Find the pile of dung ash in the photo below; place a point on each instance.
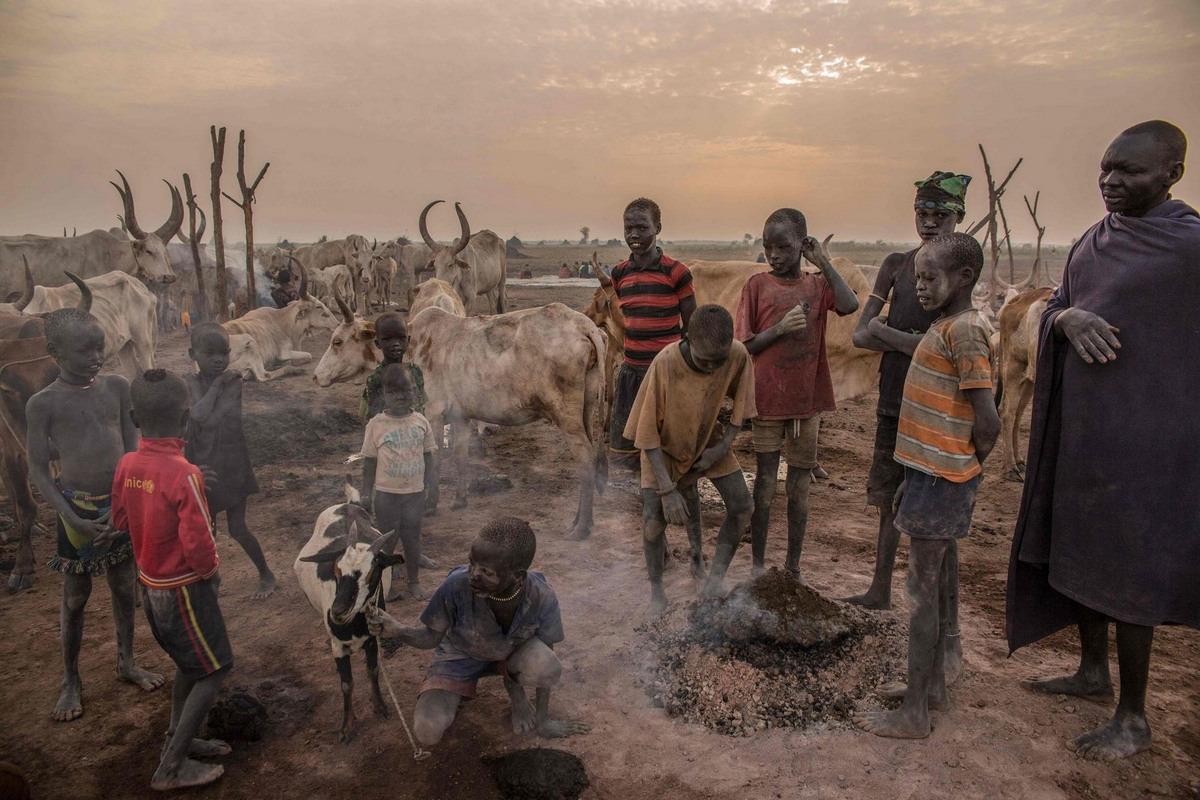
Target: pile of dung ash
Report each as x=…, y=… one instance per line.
x=538, y=773
x=773, y=654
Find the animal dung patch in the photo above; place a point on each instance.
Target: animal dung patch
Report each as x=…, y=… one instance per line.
x=238, y=716
x=489, y=484
x=772, y=654
x=538, y=773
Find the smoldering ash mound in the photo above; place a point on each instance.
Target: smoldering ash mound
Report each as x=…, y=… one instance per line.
x=772, y=654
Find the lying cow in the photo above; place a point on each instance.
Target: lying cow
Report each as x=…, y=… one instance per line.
x=277, y=332
x=513, y=369
x=1016, y=365
x=352, y=351
x=342, y=569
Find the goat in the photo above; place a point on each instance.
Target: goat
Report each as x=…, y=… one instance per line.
x=342, y=569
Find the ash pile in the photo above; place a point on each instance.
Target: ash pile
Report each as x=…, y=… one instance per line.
x=772, y=654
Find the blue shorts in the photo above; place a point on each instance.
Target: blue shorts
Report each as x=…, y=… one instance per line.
x=936, y=508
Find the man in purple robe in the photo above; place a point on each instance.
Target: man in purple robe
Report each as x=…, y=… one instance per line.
x=1109, y=527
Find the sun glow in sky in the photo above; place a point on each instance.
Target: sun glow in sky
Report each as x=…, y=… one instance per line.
x=542, y=116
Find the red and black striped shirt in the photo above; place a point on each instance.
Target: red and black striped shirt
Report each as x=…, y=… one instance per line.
x=649, y=300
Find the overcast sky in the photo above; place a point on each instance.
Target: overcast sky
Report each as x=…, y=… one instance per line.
x=541, y=116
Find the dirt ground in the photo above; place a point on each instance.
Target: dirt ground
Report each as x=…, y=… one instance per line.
x=998, y=740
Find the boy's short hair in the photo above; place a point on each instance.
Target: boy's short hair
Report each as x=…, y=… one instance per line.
x=514, y=537
x=394, y=375
x=391, y=317
x=789, y=216
x=647, y=205
x=158, y=396
x=202, y=329
x=964, y=251
x=711, y=324
x=1169, y=136
x=59, y=323
x=284, y=276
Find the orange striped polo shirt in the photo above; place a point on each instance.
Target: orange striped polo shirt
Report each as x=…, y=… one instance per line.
x=936, y=418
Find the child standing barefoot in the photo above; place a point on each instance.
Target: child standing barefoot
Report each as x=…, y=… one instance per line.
x=397, y=471
x=216, y=442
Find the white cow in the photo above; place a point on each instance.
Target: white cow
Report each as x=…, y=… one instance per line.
x=481, y=269
x=542, y=363
x=277, y=332
x=434, y=292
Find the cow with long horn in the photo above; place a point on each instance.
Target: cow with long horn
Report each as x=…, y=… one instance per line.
x=473, y=265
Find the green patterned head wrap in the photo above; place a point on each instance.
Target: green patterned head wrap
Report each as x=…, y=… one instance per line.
x=943, y=190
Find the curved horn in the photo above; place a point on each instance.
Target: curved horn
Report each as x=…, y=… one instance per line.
x=26, y=298
x=130, y=222
x=825, y=247
x=121, y=220
x=64, y=231
x=424, y=230
x=466, y=229
x=374, y=243
x=303, y=277
x=175, y=221
x=85, y=291
x=352, y=538
x=347, y=314
x=199, y=231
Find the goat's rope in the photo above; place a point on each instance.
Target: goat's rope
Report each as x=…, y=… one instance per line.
x=418, y=753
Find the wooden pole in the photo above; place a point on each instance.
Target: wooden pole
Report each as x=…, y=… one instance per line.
x=247, y=207
x=203, y=313
x=218, y=143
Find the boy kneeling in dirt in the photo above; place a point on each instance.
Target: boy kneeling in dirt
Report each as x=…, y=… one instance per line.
x=674, y=424
x=948, y=426
x=491, y=616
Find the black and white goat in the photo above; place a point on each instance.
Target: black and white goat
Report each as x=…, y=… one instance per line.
x=342, y=569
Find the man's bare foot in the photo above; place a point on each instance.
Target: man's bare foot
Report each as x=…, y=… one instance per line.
x=897, y=690
x=562, y=728
x=524, y=718
x=148, y=681
x=188, y=773
x=869, y=600
x=203, y=748
x=1097, y=689
x=1117, y=738
x=427, y=563
x=70, y=702
x=266, y=586
x=417, y=592
x=897, y=724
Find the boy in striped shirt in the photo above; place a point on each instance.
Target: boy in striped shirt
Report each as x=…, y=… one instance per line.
x=158, y=496
x=948, y=426
x=655, y=295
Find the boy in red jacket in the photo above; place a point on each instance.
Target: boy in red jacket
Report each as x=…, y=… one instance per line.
x=159, y=498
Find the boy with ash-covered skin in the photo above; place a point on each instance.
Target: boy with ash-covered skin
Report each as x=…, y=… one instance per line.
x=217, y=444
x=792, y=384
x=490, y=617
x=159, y=496
x=398, y=468
x=391, y=337
x=948, y=426
x=82, y=421
x=673, y=423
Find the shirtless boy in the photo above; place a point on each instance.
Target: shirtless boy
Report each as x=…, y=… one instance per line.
x=948, y=426
x=792, y=384
x=491, y=616
x=673, y=423
x=82, y=420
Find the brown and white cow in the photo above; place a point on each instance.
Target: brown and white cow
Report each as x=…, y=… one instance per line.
x=1016, y=366
x=352, y=352
x=473, y=265
x=277, y=332
x=542, y=363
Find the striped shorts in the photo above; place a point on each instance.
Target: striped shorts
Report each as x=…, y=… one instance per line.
x=187, y=623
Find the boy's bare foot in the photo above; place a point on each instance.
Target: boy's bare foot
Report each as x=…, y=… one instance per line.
x=70, y=702
x=203, y=748
x=898, y=724
x=897, y=690
x=1117, y=738
x=266, y=586
x=1098, y=690
x=562, y=728
x=427, y=563
x=417, y=592
x=868, y=600
x=148, y=681
x=188, y=773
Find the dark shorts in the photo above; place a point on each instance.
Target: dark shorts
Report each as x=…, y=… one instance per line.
x=460, y=676
x=935, y=508
x=399, y=511
x=886, y=475
x=77, y=554
x=187, y=623
x=621, y=452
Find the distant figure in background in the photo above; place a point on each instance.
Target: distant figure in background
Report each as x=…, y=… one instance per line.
x=286, y=291
x=564, y=271
x=525, y=273
x=762, y=258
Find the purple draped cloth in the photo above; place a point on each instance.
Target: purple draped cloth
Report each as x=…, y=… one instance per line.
x=1110, y=515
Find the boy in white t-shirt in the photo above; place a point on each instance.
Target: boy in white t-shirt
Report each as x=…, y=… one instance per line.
x=398, y=446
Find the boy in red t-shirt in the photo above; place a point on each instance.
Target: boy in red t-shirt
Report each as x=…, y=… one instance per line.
x=158, y=496
x=781, y=320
